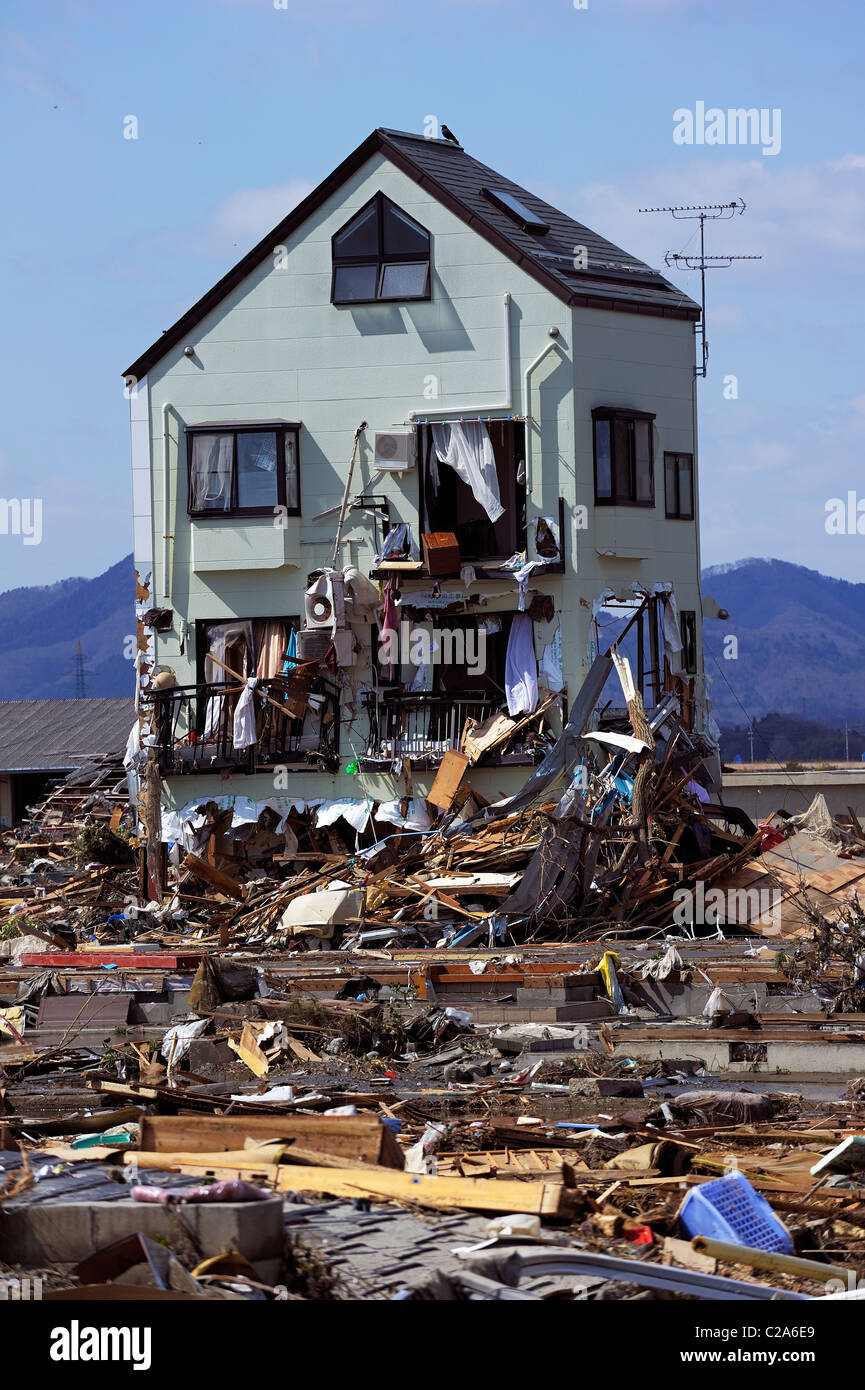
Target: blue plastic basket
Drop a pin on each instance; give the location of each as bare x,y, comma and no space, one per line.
729,1209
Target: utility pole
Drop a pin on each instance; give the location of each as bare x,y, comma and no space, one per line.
846,742
710,212
751,739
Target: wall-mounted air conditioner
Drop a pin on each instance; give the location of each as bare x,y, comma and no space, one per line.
394,450
324,603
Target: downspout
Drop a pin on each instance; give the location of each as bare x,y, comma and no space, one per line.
507,404
166,510
554,343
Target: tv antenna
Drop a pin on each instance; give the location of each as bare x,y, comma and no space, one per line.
706,212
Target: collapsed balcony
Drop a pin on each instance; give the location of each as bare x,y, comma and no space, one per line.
194,726
424,727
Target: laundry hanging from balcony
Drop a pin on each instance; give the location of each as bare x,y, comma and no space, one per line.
521,666
245,735
467,448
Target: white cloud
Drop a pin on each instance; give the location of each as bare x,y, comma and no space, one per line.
248,215
799,216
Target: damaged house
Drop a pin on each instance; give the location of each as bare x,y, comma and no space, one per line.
398,478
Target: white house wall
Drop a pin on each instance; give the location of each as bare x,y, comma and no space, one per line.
277,348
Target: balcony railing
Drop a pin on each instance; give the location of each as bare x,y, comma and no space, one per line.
424,727
194,727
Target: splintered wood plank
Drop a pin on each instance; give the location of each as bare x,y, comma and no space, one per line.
447,780
442,1193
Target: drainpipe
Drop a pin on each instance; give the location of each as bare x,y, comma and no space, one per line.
166,512
506,405
554,343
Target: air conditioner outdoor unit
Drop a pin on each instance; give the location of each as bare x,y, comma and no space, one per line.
313,644
394,450
324,603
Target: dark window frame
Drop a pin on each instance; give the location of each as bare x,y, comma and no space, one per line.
612,414
380,259
688,629
280,429
675,512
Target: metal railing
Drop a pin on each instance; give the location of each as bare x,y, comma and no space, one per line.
424,727
194,726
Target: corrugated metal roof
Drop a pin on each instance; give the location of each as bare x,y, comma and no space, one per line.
52,735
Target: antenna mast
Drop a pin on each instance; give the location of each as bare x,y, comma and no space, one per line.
706,212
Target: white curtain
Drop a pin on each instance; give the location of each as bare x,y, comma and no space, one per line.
468,450
211,472
219,637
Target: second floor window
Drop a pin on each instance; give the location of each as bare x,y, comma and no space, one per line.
679,486
624,465
249,471
382,253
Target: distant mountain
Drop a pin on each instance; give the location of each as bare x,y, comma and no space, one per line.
40,629
801,644
800,634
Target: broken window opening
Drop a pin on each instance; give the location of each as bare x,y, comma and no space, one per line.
688,622
295,708
449,504
634,626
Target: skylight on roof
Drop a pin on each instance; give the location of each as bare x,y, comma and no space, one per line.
529,221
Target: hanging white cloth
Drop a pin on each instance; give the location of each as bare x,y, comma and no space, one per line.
551,664
353,809
468,450
244,716
671,627
521,667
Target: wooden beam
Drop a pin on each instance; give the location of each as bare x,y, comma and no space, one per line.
212,875
443,1194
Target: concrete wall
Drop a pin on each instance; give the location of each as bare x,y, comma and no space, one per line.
277,348
761,793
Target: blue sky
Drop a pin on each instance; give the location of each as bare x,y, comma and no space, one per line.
242,107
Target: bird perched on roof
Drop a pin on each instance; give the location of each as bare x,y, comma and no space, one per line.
449,135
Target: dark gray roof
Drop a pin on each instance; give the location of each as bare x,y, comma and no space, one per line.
53,735
612,279
611,274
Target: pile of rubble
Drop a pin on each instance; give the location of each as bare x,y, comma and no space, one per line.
561,1020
